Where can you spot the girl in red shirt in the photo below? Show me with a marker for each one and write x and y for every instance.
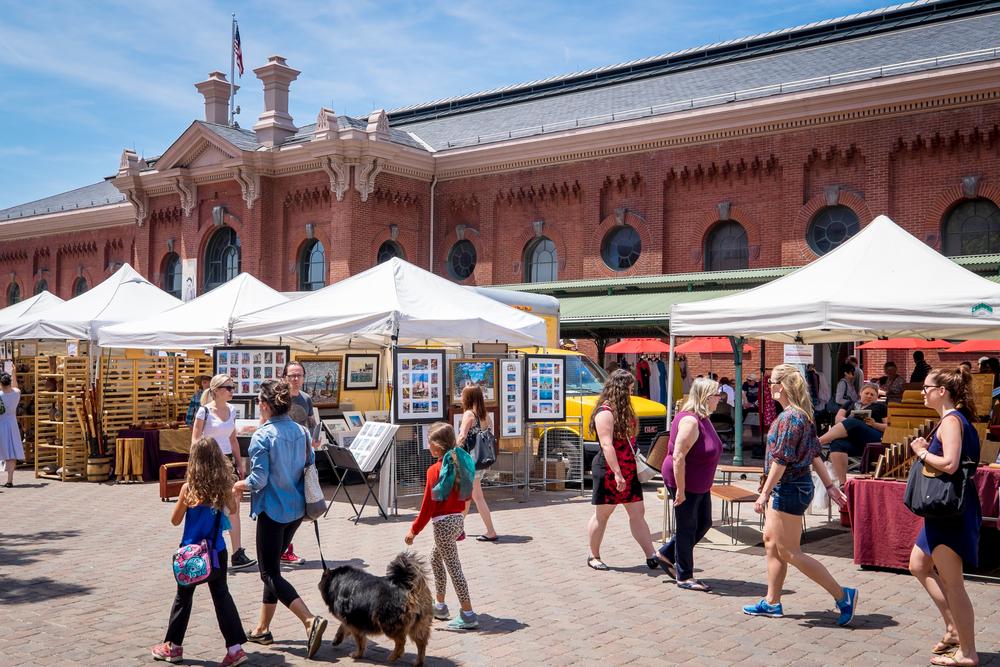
(449, 485)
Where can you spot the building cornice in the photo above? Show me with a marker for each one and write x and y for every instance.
(68, 222)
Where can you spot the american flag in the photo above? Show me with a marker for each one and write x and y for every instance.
(237, 51)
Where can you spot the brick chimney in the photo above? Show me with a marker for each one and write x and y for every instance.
(275, 124)
(215, 89)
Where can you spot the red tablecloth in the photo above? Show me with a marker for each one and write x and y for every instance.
(884, 530)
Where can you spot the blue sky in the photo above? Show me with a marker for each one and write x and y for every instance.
(80, 81)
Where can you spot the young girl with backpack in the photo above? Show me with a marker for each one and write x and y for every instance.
(449, 485)
(202, 505)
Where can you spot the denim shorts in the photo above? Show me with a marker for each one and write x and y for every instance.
(793, 496)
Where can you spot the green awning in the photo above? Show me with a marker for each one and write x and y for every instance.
(619, 312)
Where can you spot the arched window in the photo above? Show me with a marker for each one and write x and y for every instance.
(462, 260)
(726, 247)
(41, 286)
(540, 261)
(79, 286)
(621, 247)
(222, 258)
(13, 294)
(172, 275)
(971, 228)
(312, 266)
(830, 227)
(388, 250)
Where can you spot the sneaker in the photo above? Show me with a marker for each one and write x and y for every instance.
(441, 612)
(464, 621)
(315, 636)
(289, 558)
(848, 606)
(167, 652)
(762, 608)
(233, 659)
(240, 560)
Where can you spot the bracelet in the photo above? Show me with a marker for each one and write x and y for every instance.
(830, 485)
(922, 455)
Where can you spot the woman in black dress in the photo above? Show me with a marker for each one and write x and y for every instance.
(944, 544)
(613, 469)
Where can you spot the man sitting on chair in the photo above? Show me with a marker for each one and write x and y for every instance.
(852, 430)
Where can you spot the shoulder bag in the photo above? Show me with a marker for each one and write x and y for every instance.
(484, 447)
(933, 493)
(315, 500)
(192, 563)
(643, 470)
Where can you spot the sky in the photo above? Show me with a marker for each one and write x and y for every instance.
(80, 81)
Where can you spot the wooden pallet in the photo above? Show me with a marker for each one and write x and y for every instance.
(61, 449)
(134, 391)
(26, 421)
(186, 369)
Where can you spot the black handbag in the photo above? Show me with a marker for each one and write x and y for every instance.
(483, 448)
(934, 494)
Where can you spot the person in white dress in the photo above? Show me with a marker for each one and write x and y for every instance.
(11, 447)
(216, 419)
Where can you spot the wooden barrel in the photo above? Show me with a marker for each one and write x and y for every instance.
(98, 469)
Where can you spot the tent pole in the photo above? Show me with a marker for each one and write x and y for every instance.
(737, 343)
(670, 383)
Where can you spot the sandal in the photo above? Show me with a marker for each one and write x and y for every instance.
(483, 538)
(667, 566)
(264, 638)
(316, 629)
(945, 647)
(595, 563)
(950, 660)
(694, 585)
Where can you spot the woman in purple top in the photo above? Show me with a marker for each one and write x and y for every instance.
(792, 450)
(688, 471)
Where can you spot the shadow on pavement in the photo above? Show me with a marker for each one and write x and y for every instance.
(828, 619)
(38, 589)
(491, 625)
(737, 588)
(376, 653)
(10, 546)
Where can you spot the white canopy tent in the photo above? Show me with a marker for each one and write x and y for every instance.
(26, 309)
(915, 292)
(124, 296)
(202, 322)
(393, 302)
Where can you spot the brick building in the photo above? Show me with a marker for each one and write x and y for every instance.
(622, 189)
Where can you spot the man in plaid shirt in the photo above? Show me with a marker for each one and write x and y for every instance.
(203, 382)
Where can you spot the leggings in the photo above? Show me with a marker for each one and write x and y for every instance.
(272, 540)
(445, 555)
(225, 609)
(694, 518)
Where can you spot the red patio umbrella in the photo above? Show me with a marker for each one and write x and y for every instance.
(976, 346)
(638, 346)
(709, 345)
(905, 344)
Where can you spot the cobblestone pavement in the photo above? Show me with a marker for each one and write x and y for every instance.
(85, 579)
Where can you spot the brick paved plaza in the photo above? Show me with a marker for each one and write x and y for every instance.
(84, 579)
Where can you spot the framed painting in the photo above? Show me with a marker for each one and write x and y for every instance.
(362, 371)
(418, 385)
(511, 398)
(545, 388)
(322, 380)
(464, 372)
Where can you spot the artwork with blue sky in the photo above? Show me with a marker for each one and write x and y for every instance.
(82, 80)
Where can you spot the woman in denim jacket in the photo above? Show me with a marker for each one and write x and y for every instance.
(279, 451)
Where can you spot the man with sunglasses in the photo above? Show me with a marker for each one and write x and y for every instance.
(301, 413)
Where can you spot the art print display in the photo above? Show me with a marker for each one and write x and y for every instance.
(511, 399)
(354, 418)
(545, 388)
(371, 442)
(418, 385)
(362, 371)
(465, 372)
(377, 415)
(245, 428)
(249, 366)
(322, 381)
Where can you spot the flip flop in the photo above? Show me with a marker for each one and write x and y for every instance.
(597, 564)
(694, 585)
(668, 567)
(944, 647)
(950, 660)
(483, 538)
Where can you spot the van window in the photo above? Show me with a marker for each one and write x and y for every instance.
(583, 376)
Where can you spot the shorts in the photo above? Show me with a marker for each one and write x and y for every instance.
(232, 462)
(792, 496)
(849, 447)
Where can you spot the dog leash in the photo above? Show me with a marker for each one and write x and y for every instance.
(320, 545)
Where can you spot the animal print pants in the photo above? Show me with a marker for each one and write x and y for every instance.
(445, 555)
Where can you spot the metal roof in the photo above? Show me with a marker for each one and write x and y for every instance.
(678, 281)
(89, 196)
(646, 308)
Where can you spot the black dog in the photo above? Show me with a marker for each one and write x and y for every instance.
(396, 605)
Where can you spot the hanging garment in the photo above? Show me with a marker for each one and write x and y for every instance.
(642, 377)
(654, 382)
(662, 368)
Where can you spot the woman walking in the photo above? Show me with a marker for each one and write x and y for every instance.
(693, 454)
(449, 484)
(792, 449)
(473, 417)
(204, 499)
(279, 452)
(11, 446)
(613, 469)
(944, 544)
(217, 420)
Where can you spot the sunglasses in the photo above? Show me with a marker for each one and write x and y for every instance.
(228, 387)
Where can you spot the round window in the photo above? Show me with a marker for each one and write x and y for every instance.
(830, 227)
(462, 260)
(621, 248)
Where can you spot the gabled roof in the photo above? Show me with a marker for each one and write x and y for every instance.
(89, 196)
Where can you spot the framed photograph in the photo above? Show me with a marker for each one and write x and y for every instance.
(362, 371)
(544, 388)
(249, 365)
(322, 381)
(243, 408)
(456, 419)
(377, 416)
(480, 372)
(245, 428)
(354, 419)
(418, 385)
(511, 390)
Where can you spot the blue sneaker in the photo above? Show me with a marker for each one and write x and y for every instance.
(762, 608)
(464, 621)
(848, 606)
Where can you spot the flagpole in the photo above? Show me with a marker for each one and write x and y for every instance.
(232, 70)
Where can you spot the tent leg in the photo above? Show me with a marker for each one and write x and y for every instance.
(737, 343)
(670, 384)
